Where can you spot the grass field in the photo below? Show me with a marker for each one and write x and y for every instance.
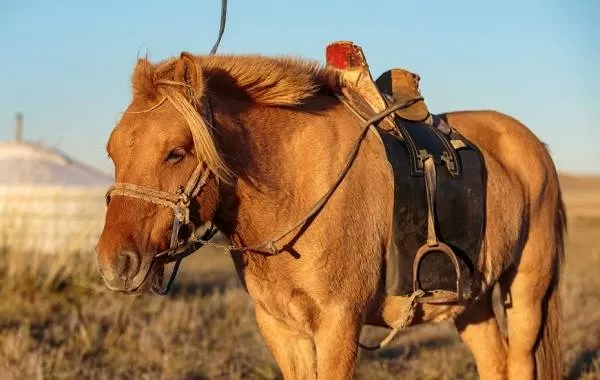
(58, 321)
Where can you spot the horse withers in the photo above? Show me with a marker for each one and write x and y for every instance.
(255, 145)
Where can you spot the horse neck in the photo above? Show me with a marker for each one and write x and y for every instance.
(285, 160)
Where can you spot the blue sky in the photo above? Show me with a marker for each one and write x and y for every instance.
(66, 64)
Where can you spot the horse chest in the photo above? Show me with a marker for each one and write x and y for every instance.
(280, 296)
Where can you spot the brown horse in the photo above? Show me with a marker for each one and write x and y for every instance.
(262, 140)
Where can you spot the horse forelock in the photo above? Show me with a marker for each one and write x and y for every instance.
(180, 85)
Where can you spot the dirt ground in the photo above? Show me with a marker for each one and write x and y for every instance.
(58, 321)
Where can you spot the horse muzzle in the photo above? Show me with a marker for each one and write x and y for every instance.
(127, 272)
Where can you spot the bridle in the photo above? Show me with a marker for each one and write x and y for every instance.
(180, 201)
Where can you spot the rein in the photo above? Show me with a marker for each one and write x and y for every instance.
(180, 203)
(270, 245)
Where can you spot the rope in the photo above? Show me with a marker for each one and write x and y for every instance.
(147, 194)
(221, 27)
(400, 324)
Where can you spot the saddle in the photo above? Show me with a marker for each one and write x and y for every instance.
(439, 184)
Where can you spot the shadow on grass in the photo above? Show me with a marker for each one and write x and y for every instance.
(408, 350)
(582, 364)
(209, 284)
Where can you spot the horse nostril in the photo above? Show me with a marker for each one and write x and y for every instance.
(128, 264)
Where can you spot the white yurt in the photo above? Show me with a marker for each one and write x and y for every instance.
(49, 203)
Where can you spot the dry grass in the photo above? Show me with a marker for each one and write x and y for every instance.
(57, 321)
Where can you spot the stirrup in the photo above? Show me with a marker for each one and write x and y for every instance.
(436, 296)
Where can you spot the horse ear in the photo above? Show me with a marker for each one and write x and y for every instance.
(142, 82)
(188, 71)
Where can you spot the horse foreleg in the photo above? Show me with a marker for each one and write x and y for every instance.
(293, 351)
(337, 343)
(479, 330)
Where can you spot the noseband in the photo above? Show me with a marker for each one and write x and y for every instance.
(178, 201)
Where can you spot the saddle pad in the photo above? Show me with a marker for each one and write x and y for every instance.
(460, 218)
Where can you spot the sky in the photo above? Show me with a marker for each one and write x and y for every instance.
(66, 65)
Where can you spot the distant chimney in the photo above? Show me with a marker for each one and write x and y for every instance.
(19, 127)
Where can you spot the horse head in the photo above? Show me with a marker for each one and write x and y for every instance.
(166, 166)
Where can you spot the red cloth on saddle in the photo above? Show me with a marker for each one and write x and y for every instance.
(344, 55)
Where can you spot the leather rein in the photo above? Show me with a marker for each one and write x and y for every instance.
(180, 201)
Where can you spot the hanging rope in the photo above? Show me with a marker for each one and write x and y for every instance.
(221, 26)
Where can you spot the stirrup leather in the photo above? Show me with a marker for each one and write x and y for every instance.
(432, 244)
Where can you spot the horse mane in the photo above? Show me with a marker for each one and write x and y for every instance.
(282, 81)
(272, 81)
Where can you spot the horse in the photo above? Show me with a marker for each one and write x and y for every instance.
(251, 143)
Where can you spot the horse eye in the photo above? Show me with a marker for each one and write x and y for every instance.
(175, 155)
